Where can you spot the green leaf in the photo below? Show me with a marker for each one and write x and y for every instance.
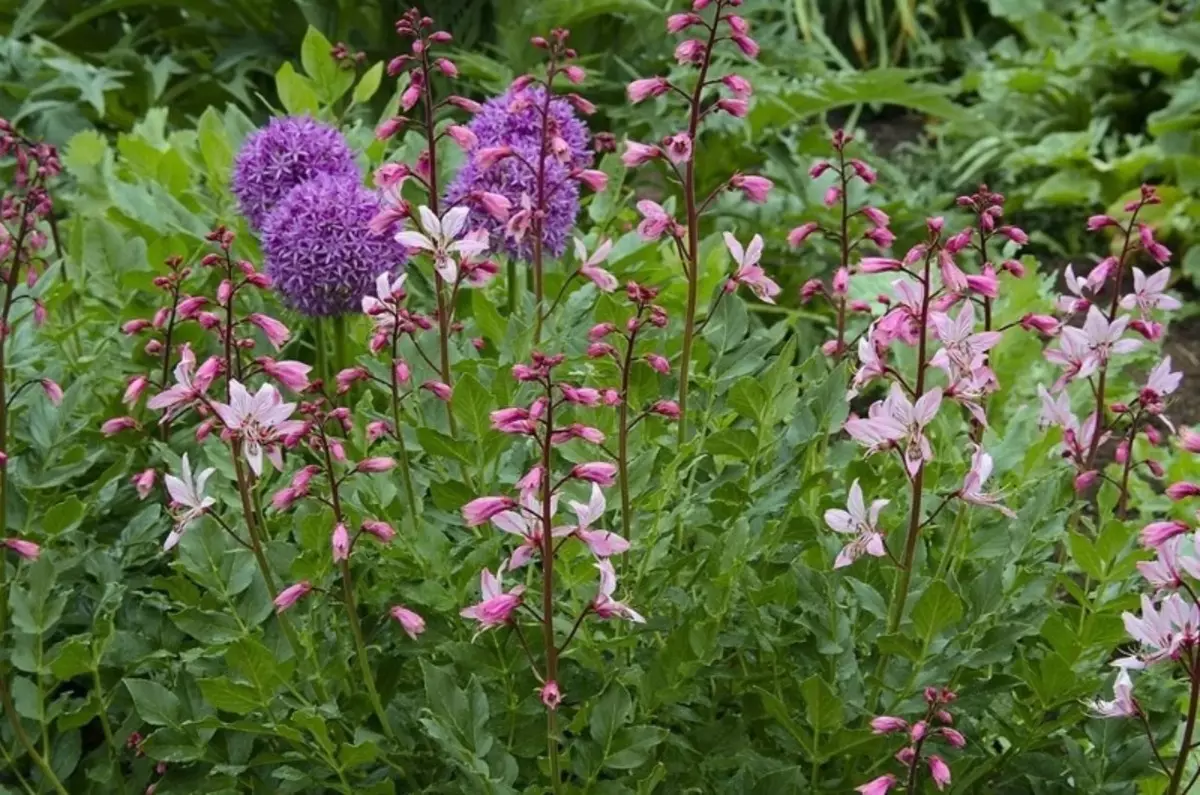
(154, 703)
(329, 79)
(230, 696)
(490, 323)
(472, 404)
(438, 444)
(748, 398)
(64, 515)
(779, 711)
(214, 144)
(1084, 553)
(73, 658)
(368, 84)
(938, 608)
(739, 443)
(610, 714)
(822, 708)
(296, 91)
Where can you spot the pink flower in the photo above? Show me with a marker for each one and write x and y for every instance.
(754, 187)
(1163, 571)
(143, 482)
(678, 148)
(481, 509)
(1103, 337)
(340, 542)
(133, 391)
(636, 154)
(961, 346)
(1189, 440)
(604, 605)
(412, 624)
(953, 737)
(833, 194)
(190, 383)
(381, 530)
(1046, 324)
(444, 238)
(972, 488)
(1099, 222)
(739, 86)
(117, 424)
(494, 204)
(277, 333)
(595, 180)
(748, 271)
(292, 594)
(658, 363)
(260, 421)
(550, 695)
(863, 171)
(655, 220)
(885, 724)
(590, 268)
(377, 464)
(1156, 534)
(646, 88)
(438, 389)
(747, 45)
(1123, 705)
(878, 786)
(463, 136)
(1149, 292)
(600, 472)
(497, 607)
(602, 543)
(738, 108)
(939, 772)
(860, 522)
(491, 155)
(188, 500)
(24, 548)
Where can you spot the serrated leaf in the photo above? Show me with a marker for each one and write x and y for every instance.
(472, 404)
(155, 704)
(230, 696)
(738, 443)
(822, 708)
(938, 608)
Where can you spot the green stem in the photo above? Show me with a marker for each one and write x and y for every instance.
(322, 360)
(339, 343)
(514, 287)
(1185, 747)
(360, 648)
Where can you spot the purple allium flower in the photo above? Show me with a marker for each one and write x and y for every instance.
(282, 155)
(514, 119)
(320, 256)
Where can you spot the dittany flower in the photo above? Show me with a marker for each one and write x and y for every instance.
(259, 420)
(1123, 704)
(604, 605)
(443, 238)
(497, 606)
(602, 543)
(187, 499)
(862, 523)
(749, 272)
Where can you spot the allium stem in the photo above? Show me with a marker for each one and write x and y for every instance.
(692, 265)
(339, 343)
(1185, 746)
(548, 581)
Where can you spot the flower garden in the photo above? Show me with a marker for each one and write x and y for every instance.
(441, 423)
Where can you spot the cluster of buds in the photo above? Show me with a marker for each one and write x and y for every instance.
(936, 725)
(346, 58)
(646, 315)
(856, 227)
(420, 65)
(1085, 353)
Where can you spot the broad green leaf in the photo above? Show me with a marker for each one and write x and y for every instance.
(822, 708)
(938, 608)
(328, 78)
(473, 404)
(296, 91)
(368, 84)
(230, 696)
(155, 704)
(738, 443)
(438, 444)
(609, 715)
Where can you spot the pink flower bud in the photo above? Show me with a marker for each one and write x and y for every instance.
(440, 391)
(118, 424)
(277, 333)
(678, 22)
(143, 482)
(1099, 222)
(401, 371)
(381, 530)
(285, 498)
(658, 363)
(841, 281)
(463, 136)
(885, 724)
(346, 378)
(1122, 452)
(377, 464)
(491, 155)
(1156, 534)
(954, 737)
(462, 103)
(878, 265)
(292, 594)
(833, 194)
(389, 127)
(447, 67)
(738, 108)
(811, 288)
(863, 171)
(666, 408)
(594, 179)
(939, 772)
(877, 786)
(26, 549)
(802, 233)
(739, 86)
(340, 543)
(1014, 234)
(134, 326)
(1183, 490)
(747, 45)
(918, 730)
(600, 349)
(646, 88)
(575, 74)
(1085, 480)
(636, 154)
(1189, 440)
(754, 187)
(481, 509)
(412, 624)
(599, 472)
(819, 168)
(1156, 469)
(690, 51)
(1046, 324)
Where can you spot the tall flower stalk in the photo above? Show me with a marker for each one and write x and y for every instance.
(26, 213)
(530, 517)
(679, 151)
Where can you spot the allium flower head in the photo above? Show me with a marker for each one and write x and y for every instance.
(282, 155)
(320, 256)
(514, 120)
